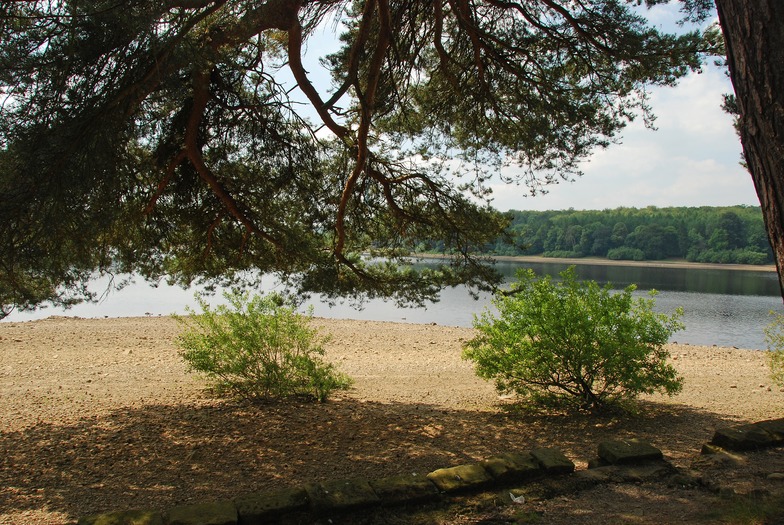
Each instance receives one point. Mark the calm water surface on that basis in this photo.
(721, 307)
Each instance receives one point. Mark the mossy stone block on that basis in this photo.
(462, 477)
(258, 508)
(628, 452)
(650, 471)
(742, 437)
(130, 517)
(512, 467)
(552, 461)
(217, 513)
(341, 495)
(404, 489)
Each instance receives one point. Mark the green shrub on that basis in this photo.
(573, 343)
(746, 256)
(258, 349)
(774, 337)
(562, 254)
(624, 253)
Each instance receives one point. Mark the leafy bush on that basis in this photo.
(573, 343)
(774, 337)
(258, 349)
(563, 254)
(624, 253)
(750, 257)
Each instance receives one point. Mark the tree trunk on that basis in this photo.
(754, 35)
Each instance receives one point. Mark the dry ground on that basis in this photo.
(101, 414)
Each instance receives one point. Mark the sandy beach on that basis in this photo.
(102, 414)
(603, 261)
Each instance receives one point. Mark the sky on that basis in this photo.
(691, 159)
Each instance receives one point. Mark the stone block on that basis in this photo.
(649, 471)
(742, 437)
(774, 427)
(552, 461)
(341, 495)
(712, 457)
(594, 476)
(460, 478)
(130, 517)
(628, 452)
(512, 467)
(218, 513)
(404, 489)
(256, 509)
(709, 449)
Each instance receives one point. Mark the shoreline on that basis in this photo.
(599, 261)
(321, 321)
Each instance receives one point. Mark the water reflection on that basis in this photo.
(721, 319)
(721, 307)
(713, 281)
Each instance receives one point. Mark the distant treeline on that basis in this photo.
(734, 234)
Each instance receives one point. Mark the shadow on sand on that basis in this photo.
(159, 456)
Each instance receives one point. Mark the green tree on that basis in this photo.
(601, 240)
(735, 230)
(658, 233)
(656, 241)
(574, 343)
(163, 138)
(719, 240)
(619, 233)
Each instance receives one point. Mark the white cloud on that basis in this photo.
(692, 159)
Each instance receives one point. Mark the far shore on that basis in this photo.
(600, 261)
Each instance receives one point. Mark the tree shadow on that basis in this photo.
(158, 456)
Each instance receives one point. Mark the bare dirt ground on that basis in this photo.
(101, 414)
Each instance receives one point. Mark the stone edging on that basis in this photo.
(345, 495)
(752, 436)
(333, 497)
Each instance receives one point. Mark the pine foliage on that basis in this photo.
(187, 139)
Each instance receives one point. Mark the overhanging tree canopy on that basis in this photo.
(160, 138)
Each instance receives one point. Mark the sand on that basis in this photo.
(102, 414)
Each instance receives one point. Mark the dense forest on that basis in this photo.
(733, 234)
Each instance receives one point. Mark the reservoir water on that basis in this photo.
(721, 306)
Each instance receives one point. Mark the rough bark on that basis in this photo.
(754, 35)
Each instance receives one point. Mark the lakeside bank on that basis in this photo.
(600, 261)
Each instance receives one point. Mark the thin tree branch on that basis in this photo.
(297, 69)
(201, 96)
(367, 104)
(176, 161)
